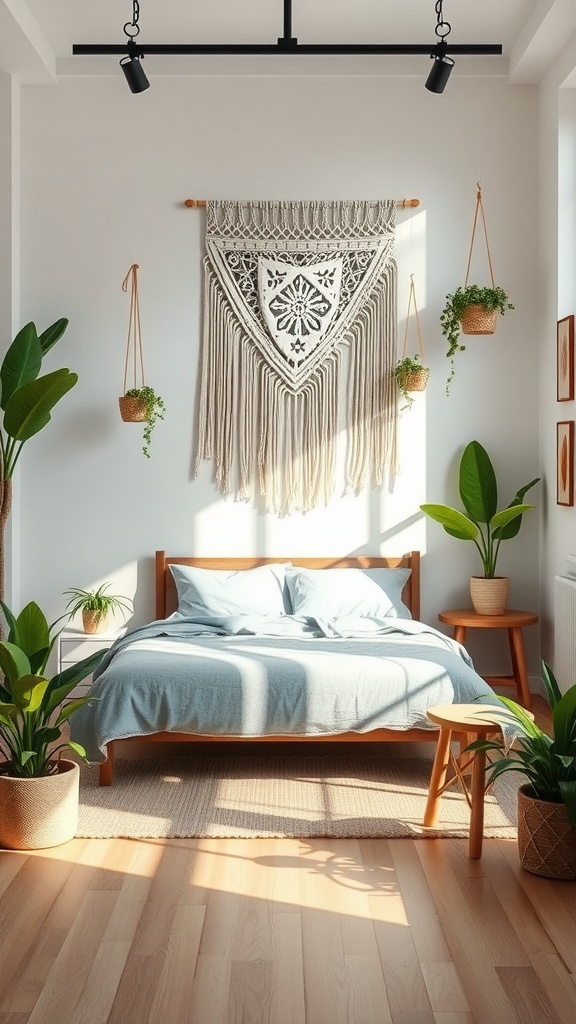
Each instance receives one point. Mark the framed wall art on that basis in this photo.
(565, 462)
(565, 359)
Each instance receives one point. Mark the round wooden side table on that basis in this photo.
(472, 721)
(513, 621)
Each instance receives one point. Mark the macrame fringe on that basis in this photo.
(265, 438)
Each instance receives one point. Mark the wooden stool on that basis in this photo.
(513, 621)
(473, 721)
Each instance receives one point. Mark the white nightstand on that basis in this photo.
(74, 645)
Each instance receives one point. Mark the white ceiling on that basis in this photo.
(36, 36)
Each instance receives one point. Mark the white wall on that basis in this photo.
(557, 120)
(104, 177)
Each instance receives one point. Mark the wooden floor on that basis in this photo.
(283, 931)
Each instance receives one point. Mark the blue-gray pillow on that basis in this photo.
(329, 593)
(224, 592)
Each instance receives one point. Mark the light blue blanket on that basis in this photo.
(292, 676)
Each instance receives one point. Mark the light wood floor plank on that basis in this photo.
(71, 968)
(209, 1003)
(526, 994)
(175, 987)
(287, 1005)
(444, 989)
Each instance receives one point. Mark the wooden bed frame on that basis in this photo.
(166, 603)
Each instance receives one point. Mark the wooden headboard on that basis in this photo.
(166, 599)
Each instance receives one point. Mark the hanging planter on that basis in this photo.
(473, 309)
(410, 373)
(140, 403)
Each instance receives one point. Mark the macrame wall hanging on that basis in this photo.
(290, 288)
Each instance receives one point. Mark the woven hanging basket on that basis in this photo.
(479, 320)
(38, 813)
(416, 380)
(489, 595)
(546, 842)
(133, 410)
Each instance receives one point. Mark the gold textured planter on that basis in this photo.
(93, 622)
(546, 842)
(489, 596)
(416, 380)
(38, 813)
(132, 409)
(478, 320)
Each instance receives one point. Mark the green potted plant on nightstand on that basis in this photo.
(38, 788)
(95, 605)
(483, 524)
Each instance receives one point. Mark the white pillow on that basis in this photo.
(223, 592)
(329, 593)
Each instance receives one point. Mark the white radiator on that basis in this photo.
(565, 631)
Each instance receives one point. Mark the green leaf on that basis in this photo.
(52, 334)
(568, 791)
(29, 408)
(501, 519)
(21, 363)
(29, 692)
(77, 747)
(32, 630)
(13, 662)
(63, 684)
(563, 719)
(10, 621)
(478, 489)
(73, 706)
(454, 522)
(552, 688)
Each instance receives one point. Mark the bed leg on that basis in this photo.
(106, 773)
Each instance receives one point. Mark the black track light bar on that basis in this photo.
(285, 46)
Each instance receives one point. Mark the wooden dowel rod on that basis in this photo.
(399, 202)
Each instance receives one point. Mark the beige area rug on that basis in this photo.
(299, 796)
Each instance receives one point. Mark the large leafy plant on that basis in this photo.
(482, 523)
(34, 708)
(548, 762)
(26, 400)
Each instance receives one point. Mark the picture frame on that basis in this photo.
(565, 359)
(565, 462)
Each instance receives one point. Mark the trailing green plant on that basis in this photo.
(548, 762)
(155, 410)
(402, 371)
(33, 707)
(482, 524)
(27, 400)
(490, 298)
(95, 601)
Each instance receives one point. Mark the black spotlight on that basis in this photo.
(443, 64)
(134, 72)
(130, 64)
(439, 72)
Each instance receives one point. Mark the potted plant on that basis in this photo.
(26, 400)
(483, 524)
(96, 606)
(142, 405)
(38, 787)
(410, 376)
(547, 800)
(470, 310)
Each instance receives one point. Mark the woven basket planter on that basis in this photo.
(479, 320)
(415, 381)
(133, 410)
(489, 596)
(546, 842)
(93, 622)
(38, 813)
